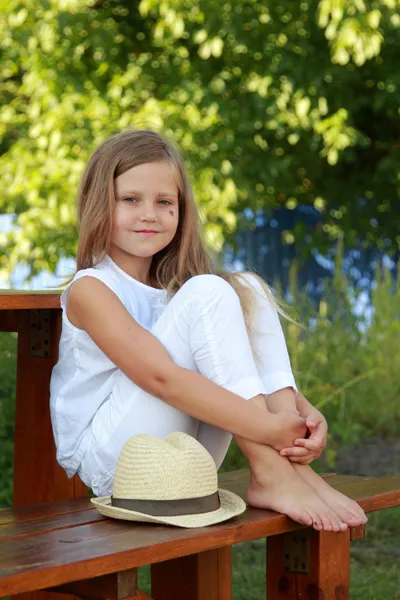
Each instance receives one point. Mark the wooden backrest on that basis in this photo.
(36, 317)
(28, 300)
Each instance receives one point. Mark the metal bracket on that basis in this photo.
(39, 333)
(296, 552)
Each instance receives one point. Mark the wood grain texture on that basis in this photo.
(9, 320)
(357, 533)
(37, 475)
(328, 576)
(118, 586)
(25, 300)
(31, 527)
(141, 596)
(35, 555)
(203, 576)
(44, 510)
(44, 560)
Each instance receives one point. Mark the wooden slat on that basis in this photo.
(337, 481)
(117, 586)
(24, 300)
(203, 576)
(46, 509)
(357, 533)
(374, 494)
(41, 525)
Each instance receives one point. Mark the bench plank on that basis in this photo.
(56, 557)
(113, 587)
(45, 509)
(52, 523)
(27, 299)
(374, 494)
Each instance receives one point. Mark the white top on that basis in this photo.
(84, 376)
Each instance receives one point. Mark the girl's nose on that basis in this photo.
(149, 212)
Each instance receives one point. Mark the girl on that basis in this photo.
(154, 341)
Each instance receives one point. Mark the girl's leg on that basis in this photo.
(274, 485)
(203, 329)
(274, 364)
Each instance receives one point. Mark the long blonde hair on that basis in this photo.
(186, 255)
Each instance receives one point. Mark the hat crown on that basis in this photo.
(172, 468)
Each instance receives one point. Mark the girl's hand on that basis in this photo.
(288, 427)
(305, 450)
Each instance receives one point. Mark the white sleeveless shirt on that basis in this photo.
(84, 376)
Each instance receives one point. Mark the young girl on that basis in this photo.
(154, 341)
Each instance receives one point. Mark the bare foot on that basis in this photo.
(286, 492)
(348, 510)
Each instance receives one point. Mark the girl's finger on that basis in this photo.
(300, 461)
(294, 452)
(311, 444)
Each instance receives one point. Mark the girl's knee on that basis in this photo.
(211, 283)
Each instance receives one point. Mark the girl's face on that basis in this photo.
(146, 199)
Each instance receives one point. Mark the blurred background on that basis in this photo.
(288, 117)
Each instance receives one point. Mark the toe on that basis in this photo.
(336, 521)
(354, 521)
(317, 523)
(305, 518)
(327, 522)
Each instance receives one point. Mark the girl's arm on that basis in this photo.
(92, 306)
(284, 399)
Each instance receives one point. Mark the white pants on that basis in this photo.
(203, 329)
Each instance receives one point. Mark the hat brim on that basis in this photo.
(231, 505)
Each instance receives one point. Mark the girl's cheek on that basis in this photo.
(171, 212)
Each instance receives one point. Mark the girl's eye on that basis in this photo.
(130, 199)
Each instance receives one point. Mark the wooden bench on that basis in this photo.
(55, 540)
(69, 547)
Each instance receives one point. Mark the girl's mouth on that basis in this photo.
(146, 233)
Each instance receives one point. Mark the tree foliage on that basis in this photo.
(273, 104)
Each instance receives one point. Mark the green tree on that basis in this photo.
(272, 103)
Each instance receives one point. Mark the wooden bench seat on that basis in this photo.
(69, 546)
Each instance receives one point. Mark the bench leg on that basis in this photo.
(308, 564)
(203, 576)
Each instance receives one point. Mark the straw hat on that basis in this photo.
(171, 480)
